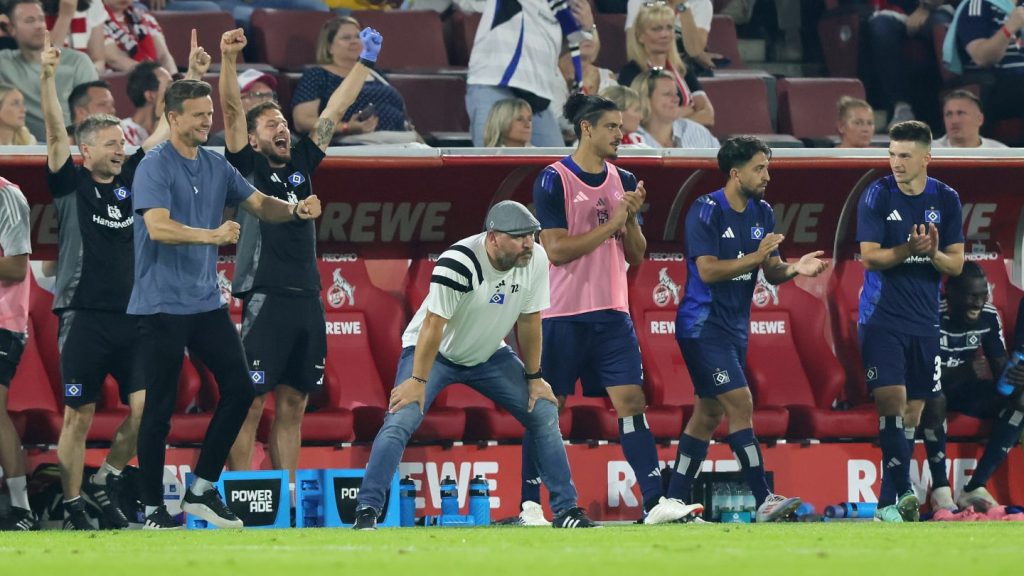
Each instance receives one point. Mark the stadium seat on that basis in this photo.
(414, 38)
(44, 323)
(178, 25)
(434, 103)
(840, 43)
(592, 418)
(722, 39)
(741, 107)
(462, 34)
(287, 82)
(286, 39)
(119, 90)
(807, 106)
(844, 289)
(31, 401)
(611, 31)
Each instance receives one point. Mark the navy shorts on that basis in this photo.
(12, 345)
(978, 399)
(894, 359)
(716, 365)
(599, 354)
(285, 341)
(93, 344)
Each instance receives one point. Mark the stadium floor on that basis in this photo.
(833, 548)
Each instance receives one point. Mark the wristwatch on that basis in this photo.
(535, 376)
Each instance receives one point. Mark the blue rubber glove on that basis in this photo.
(372, 41)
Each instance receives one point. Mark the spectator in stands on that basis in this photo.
(12, 118)
(133, 35)
(593, 80)
(905, 251)
(969, 325)
(962, 115)
(499, 70)
(856, 123)
(78, 24)
(20, 68)
(692, 26)
(887, 29)
(652, 45)
(283, 328)
(379, 107)
(257, 87)
(628, 102)
(661, 126)
(985, 37)
(146, 85)
(94, 281)
(87, 99)
(509, 125)
(15, 247)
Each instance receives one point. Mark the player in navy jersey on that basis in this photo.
(729, 241)
(969, 324)
(909, 229)
(589, 214)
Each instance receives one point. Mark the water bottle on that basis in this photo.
(479, 501)
(749, 502)
(733, 497)
(717, 500)
(449, 496)
(407, 502)
(1003, 386)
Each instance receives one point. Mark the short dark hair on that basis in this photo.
(86, 131)
(961, 94)
(181, 90)
(580, 107)
(79, 96)
(971, 271)
(739, 150)
(10, 5)
(911, 131)
(142, 79)
(253, 115)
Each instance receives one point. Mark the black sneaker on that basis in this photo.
(161, 519)
(573, 518)
(19, 519)
(366, 519)
(105, 497)
(75, 517)
(211, 508)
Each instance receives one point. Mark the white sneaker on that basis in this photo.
(533, 515)
(776, 508)
(671, 510)
(979, 498)
(942, 499)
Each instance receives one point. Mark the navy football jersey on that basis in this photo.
(713, 228)
(905, 297)
(959, 342)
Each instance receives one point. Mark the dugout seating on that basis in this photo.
(178, 25)
(807, 106)
(31, 402)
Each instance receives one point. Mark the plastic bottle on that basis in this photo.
(449, 496)
(479, 501)
(1003, 386)
(749, 502)
(717, 500)
(407, 502)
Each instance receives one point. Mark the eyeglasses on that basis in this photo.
(272, 95)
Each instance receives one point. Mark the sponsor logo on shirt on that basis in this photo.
(667, 290)
(932, 216)
(296, 179)
(257, 377)
(121, 193)
(756, 232)
(894, 216)
(341, 292)
(72, 390)
(728, 233)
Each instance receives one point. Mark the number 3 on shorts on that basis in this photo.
(938, 374)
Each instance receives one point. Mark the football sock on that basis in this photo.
(638, 447)
(748, 452)
(689, 459)
(1005, 432)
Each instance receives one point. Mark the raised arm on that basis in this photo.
(987, 52)
(58, 148)
(62, 25)
(235, 131)
(348, 91)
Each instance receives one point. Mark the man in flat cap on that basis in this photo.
(479, 289)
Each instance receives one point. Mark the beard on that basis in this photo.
(268, 150)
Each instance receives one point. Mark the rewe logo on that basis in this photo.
(428, 475)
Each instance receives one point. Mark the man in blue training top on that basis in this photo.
(970, 324)
(909, 229)
(728, 244)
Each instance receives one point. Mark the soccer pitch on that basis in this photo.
(860, 548)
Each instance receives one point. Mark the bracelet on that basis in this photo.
(295, 212)
(418, 379)
(1006, 32)
(368, 63)
(535, 376)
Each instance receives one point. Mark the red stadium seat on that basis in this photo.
(44, 323)
(1002, 293)
(414, 38)
(286, 39)
(741, 105)
(612, 34)
(840, 43)
(844, 287)
(463, 32)
(119, 90)
(31, 400)
(433, 103)
(178, 25)
(592, 418)
(807, 106)
(722, 39)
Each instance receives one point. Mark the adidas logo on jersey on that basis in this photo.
(728, 233)
(580, 197)
(894, 216)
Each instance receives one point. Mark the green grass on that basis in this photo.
(831, 549)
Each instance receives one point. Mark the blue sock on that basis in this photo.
(689, 458)
(531, 476)
(1005, 432)
(638, 447)
(895, 459)
(748, 452)
(935, 446)
(888, 491)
